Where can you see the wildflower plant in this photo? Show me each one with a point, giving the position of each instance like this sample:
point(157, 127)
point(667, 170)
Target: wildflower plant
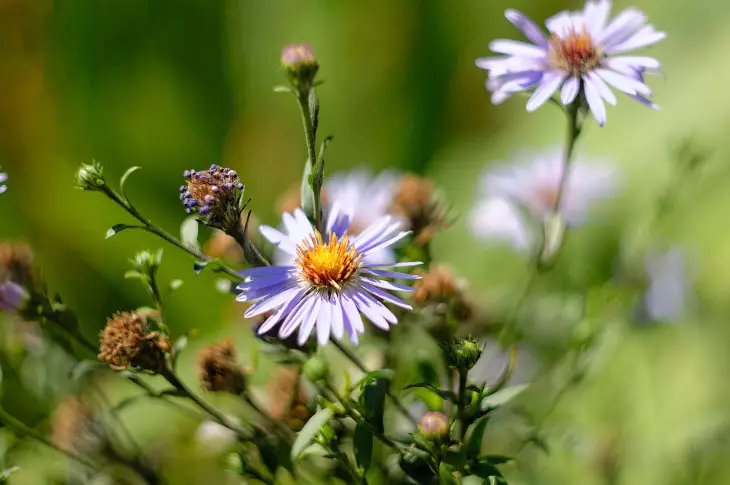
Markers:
point(353, 267)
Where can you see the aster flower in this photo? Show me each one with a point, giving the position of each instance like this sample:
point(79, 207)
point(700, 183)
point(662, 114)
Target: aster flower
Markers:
point(330, 283)
point(669, 285)
point(216, 195)
point(531, 187)
point(583, 54)
point(3, 178)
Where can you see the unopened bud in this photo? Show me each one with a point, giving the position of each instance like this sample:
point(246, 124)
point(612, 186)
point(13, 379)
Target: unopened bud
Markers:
point(315, 369)
point(300, 64)
point(462, 354)
point(434, 426)
point(90, 176)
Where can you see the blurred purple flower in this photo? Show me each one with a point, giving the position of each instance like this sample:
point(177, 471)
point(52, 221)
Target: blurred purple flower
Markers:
point(330, 283)
point(530, 187)
point(12, 296)
point(580, 56)
point(3, 178)
point(669, 285)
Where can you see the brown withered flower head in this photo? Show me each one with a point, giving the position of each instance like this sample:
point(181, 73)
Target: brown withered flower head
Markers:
point(418, 202)
point(16, 264)
point(439, 290)
point(127, 343)
point(74, 426)
point(218, 369)
point(288, 400)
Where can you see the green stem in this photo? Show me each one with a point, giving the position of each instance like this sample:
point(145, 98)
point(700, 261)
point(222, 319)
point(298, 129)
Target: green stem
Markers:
point(461, 406)
point(310, 139)
point(24, 430)
point(185, 391)
point(277, 425)
point(358, 363)
point(574, 129)
point(149, 227)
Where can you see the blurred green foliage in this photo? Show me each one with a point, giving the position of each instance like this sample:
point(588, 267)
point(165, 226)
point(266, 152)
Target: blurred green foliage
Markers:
point(173, 85)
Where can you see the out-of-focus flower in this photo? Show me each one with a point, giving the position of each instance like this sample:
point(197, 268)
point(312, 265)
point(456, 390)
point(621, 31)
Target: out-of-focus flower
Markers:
point(75, 426)
point(12, 296)
point(584, 54)
point(669, 285)
point(418, 203)
point(214, 438)
point(434, 426)
point(330, 284)
point(3, 179)
point(443, 294)
point(18, 278)
point(126, 342)
point(218, 369)
point(216, 195)
point(532, 186)
point(288, 400)
point(300, 64)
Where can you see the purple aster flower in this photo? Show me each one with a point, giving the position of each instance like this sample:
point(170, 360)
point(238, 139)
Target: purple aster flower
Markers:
point(12, 296)
point(584, 54)
point(330, 283)
point(3, 178)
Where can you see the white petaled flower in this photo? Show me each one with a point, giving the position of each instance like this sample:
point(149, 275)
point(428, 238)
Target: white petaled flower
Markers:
point(669, 285)
point(3, 178)
point(330, 283)
point(583, 54)
point(531, 187)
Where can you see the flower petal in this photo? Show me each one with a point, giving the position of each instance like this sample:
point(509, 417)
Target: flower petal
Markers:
point(622, 26)
point(596, 15)
point(602, 88)
point(324, 321)
point(281, 312)
point(338, 325)
point(548, 85)
point(277, 299)
point(517, 48)
point(595, 103)
point(570, 90)
point(385, 296)
point(643, 38)
point(278, 239)
point(391, 274)
point(531, 31)
point(292, 321)
point(623, 83)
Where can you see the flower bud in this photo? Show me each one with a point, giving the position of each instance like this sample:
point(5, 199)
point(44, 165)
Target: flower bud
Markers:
point(315, 369)
point(90, 177)
point(216, 196)
point(434, 427)
point(300, 64)
point(218, 369)
point(127, 343)
point(462, 354)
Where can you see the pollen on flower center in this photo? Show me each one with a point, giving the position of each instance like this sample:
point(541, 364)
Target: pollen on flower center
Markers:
point(575, 53)
point(327, 264)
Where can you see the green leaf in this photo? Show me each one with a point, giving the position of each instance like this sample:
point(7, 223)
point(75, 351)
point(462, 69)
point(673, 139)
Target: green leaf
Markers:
point(132, 274)
point(496, 459)
point(363, 442)
point(117, 228)
point(175, 284)
point(5, 474)
point(123, 180)
point(189, 232)
point(283, 89)
point(443, 393)
point(485, 470)
point(308, 204)
point(474, 445)
point(308, 432)
point(455, 458)
point(504, 396)
point(446, 476)
point(372, 402)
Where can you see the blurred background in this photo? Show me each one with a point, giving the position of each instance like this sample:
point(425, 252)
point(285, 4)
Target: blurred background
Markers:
point(177, 85)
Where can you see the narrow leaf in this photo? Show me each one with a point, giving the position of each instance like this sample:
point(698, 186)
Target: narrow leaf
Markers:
point(372, 402)
point(189, 232)
point(504, 396)
point(123, 180)
point(443, 393)
point(474, 445)
point(363, 441)
point(309, 431)
point(446, 476)
point(117, 228)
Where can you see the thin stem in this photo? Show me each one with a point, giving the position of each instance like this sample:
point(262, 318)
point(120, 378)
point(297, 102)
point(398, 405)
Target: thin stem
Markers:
point(506, 335)
point(151, 228)
point(358, 363)
point(461, 406)
point(310, 137)
point(284, 431)
point(24, 430)
point(574, 129)
point(172, 378)
point(113, 412)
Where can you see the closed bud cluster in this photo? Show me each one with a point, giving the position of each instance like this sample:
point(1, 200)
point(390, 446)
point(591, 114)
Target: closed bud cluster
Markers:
point(417, 201)
point(147, 263)
point(90, 176)
point(75, 426)
point(462, 354)
point(218, 369)
point(127, 343)
point(216, 195)
point(439, 290)
point(300, 64)
point(434, 427)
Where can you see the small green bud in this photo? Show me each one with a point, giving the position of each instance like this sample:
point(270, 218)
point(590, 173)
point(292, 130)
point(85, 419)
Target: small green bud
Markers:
point(300, 64)
point(233, 462)
point(315, 369)
point(462, 354)
point(146, 264)
point(434, 427)
point(90, 177)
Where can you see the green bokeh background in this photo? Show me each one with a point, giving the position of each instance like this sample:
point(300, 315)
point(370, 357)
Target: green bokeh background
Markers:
point(172, 85)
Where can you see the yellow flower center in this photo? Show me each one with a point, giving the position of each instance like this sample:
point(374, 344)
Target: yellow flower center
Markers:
point(575, 53)
point(327, 264)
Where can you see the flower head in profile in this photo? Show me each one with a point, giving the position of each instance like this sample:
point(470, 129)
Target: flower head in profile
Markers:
point(584, 54)
point(531, 187)
point(329, 284)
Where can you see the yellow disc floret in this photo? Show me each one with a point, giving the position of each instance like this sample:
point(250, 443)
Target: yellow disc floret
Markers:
point(328, 264)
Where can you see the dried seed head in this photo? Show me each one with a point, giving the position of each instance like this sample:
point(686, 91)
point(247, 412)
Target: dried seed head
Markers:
point(127, 343)
point(218, 369)
point(216, 195)
point(418, 202)
point(75, 427)
point(288, 400)
point(438, 287)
